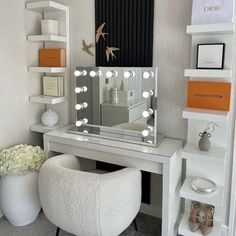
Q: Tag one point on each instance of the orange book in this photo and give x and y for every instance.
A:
(209, 95)
(52, 57)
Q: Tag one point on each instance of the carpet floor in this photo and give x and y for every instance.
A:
(147, 226)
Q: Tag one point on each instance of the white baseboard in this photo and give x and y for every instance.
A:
(151, 210)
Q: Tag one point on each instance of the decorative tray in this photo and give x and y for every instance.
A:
(203, 186)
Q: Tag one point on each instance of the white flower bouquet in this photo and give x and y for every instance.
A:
(21, 159)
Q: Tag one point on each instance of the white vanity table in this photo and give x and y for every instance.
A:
(163, 160)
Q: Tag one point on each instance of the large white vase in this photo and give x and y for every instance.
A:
(19, 198)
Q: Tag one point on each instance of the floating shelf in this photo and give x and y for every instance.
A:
(214, 199)
(184, 228)
(38, 69)
(47, 99)
(227, 28)
(208, 73)
(45, 38)
(46, 6)
(205, 114)
(192, 152)
(40, 128)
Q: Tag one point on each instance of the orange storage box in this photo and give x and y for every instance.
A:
(209, 95)
(52, 57)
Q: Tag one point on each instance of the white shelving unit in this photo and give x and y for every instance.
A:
(192, 152)
(208, 73)
(205, 114)
(47, 38)
(214, 199)
(209, 29)
(59, 12)
(38, 69)
(213, 164)
(40, 128)
(47, 99)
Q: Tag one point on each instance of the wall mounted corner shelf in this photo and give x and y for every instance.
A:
(215, 154)
(46, 6)
(214, 199)
(38, 69)
(47, 100)
(205, 114)
(40, 128)
(184, 228)
(226, 28)
(208, 73)
(47, 38)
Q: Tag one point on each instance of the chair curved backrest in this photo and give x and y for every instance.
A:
(85, 203)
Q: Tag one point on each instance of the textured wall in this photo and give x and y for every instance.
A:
(16, 84)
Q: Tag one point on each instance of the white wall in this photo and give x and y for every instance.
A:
(16, 84)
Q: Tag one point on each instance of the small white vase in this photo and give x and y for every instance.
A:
(50, 118)
(19, 198)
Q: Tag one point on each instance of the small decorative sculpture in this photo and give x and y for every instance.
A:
(86, 48)
(110, 52)
(99, 32)
(205, 142)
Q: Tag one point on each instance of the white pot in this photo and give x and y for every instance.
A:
(19, 198)
(50, 118)
(49, 27)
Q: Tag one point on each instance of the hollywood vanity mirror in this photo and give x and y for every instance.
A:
(117, 103)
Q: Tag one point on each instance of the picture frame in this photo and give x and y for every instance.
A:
(210, 56)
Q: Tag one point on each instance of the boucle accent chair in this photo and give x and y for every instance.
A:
(88, 204)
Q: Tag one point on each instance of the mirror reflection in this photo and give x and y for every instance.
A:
(117, 103)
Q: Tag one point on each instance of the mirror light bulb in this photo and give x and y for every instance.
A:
(147, 94)
(147, 113)
(95, 73)
(81, 106)
(111, 74)
(81, 122)
(147, 131)
(148, 74)
(81, 89)
(129, 74)
(80, 73)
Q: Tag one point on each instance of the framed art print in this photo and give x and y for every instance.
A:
(210, 56)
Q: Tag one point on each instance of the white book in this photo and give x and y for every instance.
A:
(212, 11)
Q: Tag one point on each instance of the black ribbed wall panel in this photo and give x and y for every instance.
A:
(130, 27)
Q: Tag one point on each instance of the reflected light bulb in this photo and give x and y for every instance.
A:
(78, 123)
(149, 141)
(147, 94)
(148, 74)
(111, 74)
(85, 121)
(85, 131)
(95, 73)
(147, 113)
(129, 74)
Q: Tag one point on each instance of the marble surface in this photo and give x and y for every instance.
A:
(147, 226)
